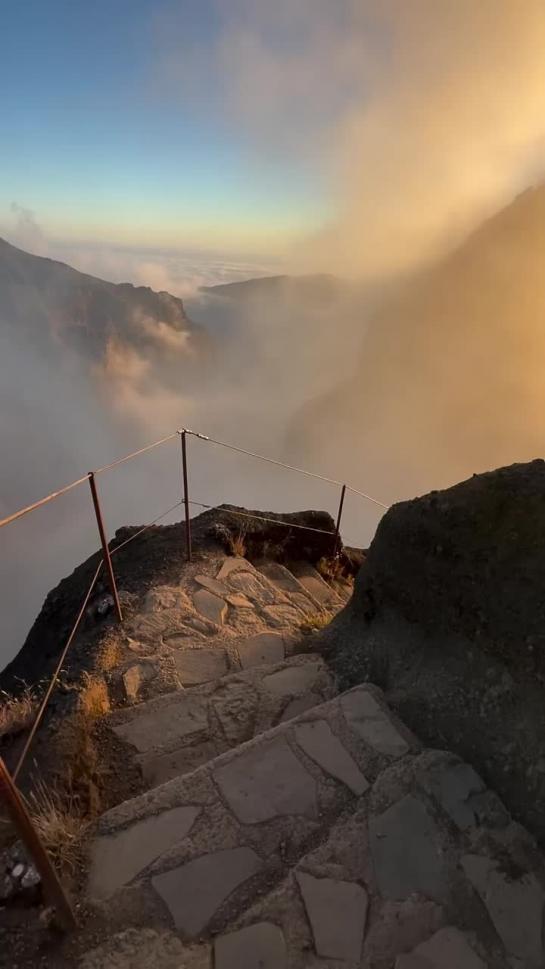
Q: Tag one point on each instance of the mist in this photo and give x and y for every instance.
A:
(418, 364)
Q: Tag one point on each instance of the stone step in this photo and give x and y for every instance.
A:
(314, 584)
(201, 848)
(427, 871)
(285, 580)
(177, 732)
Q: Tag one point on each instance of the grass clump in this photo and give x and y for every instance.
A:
(94, 699)
(60, 825)
(315, 621)
(17, 713)
(238, 543)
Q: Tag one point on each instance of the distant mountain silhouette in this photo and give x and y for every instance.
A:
(321, 286)
(56, 303)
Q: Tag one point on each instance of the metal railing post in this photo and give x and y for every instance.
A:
(104, 543)
(22, 823)
(338, 525)
(183, 436)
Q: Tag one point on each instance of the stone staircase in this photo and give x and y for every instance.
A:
(286, 827)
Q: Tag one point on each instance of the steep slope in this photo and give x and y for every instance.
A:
(450, 379)
(58, 304)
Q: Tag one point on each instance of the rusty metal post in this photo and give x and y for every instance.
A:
(183, 437)
(104, 543)
(22, 823)
(338, 525)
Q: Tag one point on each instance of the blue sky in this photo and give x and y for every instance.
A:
(98, 148)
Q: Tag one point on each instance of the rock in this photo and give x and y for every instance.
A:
(337, 913)
(447, 949)
(238, 601)
(200, 665)
(135, 677)
(104, 605)
(300, 705)
(165, 723)
(365, 715)
(264, 648)
(210, 606)
(232, 565)
(404, 846)
(255, 588)
(195, 891)
(266, 782)
(292, 680)
(118, 858)
(213, 585)
(259, 946)
(283, 615)
(320, 744)
(31, 878)
(18, 871)
(515, 906)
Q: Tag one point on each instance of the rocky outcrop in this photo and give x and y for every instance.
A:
(448, 616)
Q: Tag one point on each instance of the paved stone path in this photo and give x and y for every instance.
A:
(297, 829)
(330, 840)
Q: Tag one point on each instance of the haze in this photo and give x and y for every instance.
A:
(184, 144)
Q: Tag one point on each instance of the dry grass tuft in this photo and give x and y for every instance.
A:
(17, 713)
(81, 776)
(94, 699)
(59, 823)
(110, 655)
(315, 621)
(238, 543)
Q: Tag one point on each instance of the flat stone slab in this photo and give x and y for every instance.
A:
(261, 649)
(364, 714)
(200, 665)
(256, 589)
(515, 906)
(213, 585)
(292, 680)
(406, 857)
(259, 946)
(232, 565)
(312, 582)
(164, 724)
(447, 949)
(319, 742)
(282, 615)
(210, 606)
(194, 892)
(267, 782)
(337, 912)
(118, 858)
(300, 705)
(238, 601)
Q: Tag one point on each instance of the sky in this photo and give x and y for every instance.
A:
(99, 146)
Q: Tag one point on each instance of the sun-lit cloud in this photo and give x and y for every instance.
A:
(423, 116)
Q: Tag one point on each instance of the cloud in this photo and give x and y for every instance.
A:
(423, 116)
